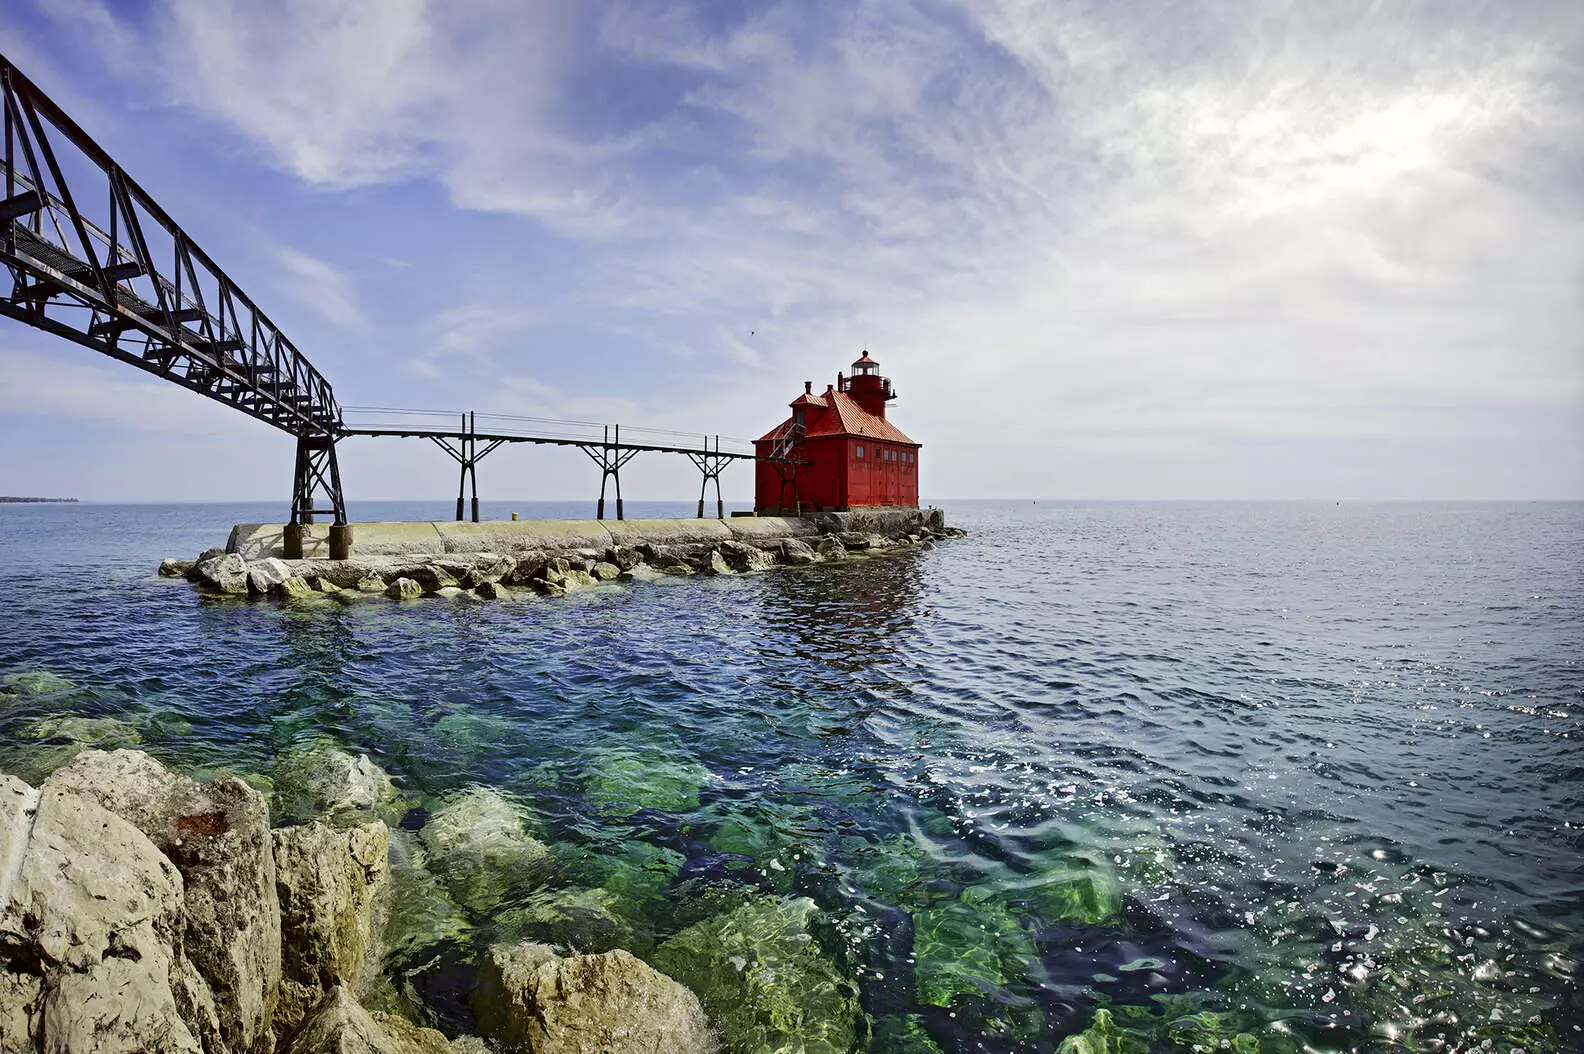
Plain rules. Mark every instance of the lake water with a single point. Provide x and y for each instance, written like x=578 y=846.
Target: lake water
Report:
x=1304 y=773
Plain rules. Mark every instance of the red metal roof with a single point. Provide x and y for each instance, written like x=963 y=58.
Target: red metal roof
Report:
x=838 y=413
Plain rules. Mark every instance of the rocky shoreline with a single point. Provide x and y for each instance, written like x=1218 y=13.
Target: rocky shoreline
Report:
x=141 y=910
x=497 y=564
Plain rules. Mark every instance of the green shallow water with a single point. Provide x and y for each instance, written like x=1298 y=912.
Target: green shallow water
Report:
x=1249 y=777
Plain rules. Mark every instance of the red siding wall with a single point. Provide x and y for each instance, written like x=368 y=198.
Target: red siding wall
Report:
x=837 y=478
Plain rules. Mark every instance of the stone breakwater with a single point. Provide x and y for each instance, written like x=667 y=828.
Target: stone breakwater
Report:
x=407 y=561
x=141 y=910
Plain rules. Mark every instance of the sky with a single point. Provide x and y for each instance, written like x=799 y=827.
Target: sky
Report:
x=1164 y=249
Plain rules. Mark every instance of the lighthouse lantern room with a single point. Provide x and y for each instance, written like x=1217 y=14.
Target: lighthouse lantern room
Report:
x=837 y=451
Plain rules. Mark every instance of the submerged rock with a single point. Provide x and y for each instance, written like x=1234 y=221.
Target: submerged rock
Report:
x=91 y=927
x=106 y=733
x=37 y=682
x=532 y=1001
x=217 y=837
x=324 y=782
x=170 y=567
x=478 y=842
x=968 y=946
x=333 y=887
x=763 y=979
x=581 y=921
x=897 y=1034
x=624 y=780
x=422 y=915
x=637 y=873
x=1101 y=1037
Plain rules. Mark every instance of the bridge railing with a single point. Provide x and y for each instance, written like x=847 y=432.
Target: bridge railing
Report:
x=94 y=258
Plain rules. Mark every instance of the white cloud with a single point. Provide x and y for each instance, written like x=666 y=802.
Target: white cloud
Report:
x=322 y=287
x=70 y=383
x=1062 y=226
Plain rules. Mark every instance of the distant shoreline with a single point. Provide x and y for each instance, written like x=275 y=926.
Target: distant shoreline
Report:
x=6 y=500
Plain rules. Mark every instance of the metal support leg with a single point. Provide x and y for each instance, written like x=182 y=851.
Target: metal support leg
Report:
x=609 y=456
x=467 y=455
x=317 y=472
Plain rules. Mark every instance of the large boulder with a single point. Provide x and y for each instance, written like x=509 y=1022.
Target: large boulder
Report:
x=326 y=783
x=489 y=567
x=761 y=976
x=218 y=837
x=830 y=548
x=171 y=567
x=624 y=557
x=478 y=842
x=264 y=575
x=339 y=1025
x=404 y=589
x=575 y=579
x=226 y=574
x=531 y=1001
x=432 y=578
x=797 y=552
x=91 y=930
x=296 y=587
x=333 y=885
x=740 y=556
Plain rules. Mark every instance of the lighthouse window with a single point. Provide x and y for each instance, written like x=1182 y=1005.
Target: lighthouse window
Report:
x=860 y=450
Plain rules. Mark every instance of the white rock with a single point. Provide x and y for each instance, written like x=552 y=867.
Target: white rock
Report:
x=531 y=1001
x=90 y=900
x=333 y=887
x=264 y=575
x=218 y=836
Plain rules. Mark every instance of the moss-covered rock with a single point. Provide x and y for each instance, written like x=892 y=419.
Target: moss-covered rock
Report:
x=532 y=1001
x=763 y=979
x=901 y=1034
x=478 y=842
x=577 y=921
x=324 y=782
x=624 y=780
x=1102 y=1037
x=771 y=838
x=970 y=946
x=36 y=682
x=635 y=872
x=104 y=733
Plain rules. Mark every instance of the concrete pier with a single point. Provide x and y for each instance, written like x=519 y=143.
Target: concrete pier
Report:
x=257 y=541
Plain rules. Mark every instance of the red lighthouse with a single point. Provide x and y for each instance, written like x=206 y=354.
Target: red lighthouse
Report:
x=843 y=453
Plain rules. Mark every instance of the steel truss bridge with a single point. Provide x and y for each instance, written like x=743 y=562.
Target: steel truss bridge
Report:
x=94 y=258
